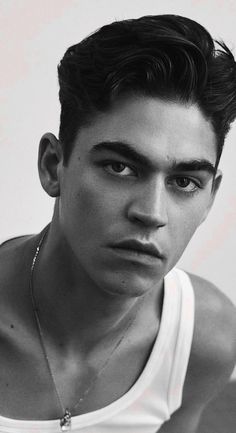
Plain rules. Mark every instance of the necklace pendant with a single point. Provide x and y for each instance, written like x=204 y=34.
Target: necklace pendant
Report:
x=65 y=421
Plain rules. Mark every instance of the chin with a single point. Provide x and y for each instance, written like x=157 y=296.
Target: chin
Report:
x=128 y=285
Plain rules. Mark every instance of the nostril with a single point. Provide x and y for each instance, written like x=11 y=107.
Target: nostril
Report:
x=147 y=220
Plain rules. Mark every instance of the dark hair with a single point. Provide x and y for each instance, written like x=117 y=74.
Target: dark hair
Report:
x=165 y=55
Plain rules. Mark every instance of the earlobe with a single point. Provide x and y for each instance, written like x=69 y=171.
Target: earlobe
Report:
x=49 y=162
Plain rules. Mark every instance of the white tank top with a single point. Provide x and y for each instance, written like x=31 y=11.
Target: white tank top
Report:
x=158 y=391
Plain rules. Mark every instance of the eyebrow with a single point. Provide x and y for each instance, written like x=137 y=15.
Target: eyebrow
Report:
x=126 y=150
x=195 y=165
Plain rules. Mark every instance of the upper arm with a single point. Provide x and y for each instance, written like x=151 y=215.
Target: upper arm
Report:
x=212 y=358
x=213 y=352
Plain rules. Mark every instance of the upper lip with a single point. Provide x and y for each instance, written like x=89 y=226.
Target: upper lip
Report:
x=135 y=245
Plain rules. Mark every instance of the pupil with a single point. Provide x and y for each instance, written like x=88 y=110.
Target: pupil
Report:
x=183 y=182
x=118 y=167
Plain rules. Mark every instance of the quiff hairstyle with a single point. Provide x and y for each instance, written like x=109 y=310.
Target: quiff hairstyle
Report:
x=165 y=56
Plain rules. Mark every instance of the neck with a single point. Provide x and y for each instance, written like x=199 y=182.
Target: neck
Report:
x=71 y=305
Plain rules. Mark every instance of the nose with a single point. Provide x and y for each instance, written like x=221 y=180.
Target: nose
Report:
x=149 y=205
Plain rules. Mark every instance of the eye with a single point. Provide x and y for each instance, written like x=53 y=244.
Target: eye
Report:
x=186 y=184
x=119 y=168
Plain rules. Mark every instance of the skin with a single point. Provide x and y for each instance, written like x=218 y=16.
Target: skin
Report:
x=97 y=206
x=103 y=197
x=99 y=203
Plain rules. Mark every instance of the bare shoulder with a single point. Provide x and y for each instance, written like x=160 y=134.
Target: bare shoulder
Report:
x=215 y=321
x=15 y=256
x=212 y=357
x=13 y=251
x=213 y=352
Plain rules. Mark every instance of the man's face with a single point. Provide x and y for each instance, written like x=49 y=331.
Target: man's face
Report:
x=139 y=175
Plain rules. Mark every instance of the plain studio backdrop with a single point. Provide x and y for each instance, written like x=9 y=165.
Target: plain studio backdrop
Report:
x=34 y=37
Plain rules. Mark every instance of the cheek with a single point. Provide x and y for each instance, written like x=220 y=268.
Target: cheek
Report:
x=186 y=221
x=92 y=208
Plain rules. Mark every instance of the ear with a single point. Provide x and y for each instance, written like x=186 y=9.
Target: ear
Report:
x=50 y=158
x=215 y=187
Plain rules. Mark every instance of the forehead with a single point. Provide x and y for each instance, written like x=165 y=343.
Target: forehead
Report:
x=160 y=130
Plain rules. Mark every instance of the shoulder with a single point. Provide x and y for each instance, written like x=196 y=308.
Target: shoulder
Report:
x=213 y=352
x=15 y=303
x=215 y=322
x=12 y=249
x=15 y=256
x=212 y=357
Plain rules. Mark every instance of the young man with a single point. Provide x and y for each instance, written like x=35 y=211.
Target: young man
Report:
x=99 y=331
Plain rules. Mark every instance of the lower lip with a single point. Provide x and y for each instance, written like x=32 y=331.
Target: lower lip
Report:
x=136 y=256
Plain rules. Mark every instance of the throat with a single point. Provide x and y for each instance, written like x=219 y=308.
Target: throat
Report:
x=81 y=316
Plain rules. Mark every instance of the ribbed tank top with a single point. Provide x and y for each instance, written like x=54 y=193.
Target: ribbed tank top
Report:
x=158 y=391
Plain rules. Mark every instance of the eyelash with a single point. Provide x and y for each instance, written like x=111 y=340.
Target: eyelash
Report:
x=107 y=163
x=196 y=188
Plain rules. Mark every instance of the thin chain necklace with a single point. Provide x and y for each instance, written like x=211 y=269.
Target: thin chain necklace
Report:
x=65 y=420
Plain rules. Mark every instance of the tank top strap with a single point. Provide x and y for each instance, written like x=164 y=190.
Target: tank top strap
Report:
x=183 y=340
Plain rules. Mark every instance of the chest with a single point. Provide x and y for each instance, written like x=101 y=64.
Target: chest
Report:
x=32 y=390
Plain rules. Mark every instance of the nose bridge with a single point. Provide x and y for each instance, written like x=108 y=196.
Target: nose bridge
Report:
x=149 y=205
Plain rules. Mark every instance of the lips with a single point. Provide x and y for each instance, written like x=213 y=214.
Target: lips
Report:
x=138 y=247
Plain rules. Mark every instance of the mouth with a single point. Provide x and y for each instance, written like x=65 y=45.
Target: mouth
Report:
x=136 y=249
